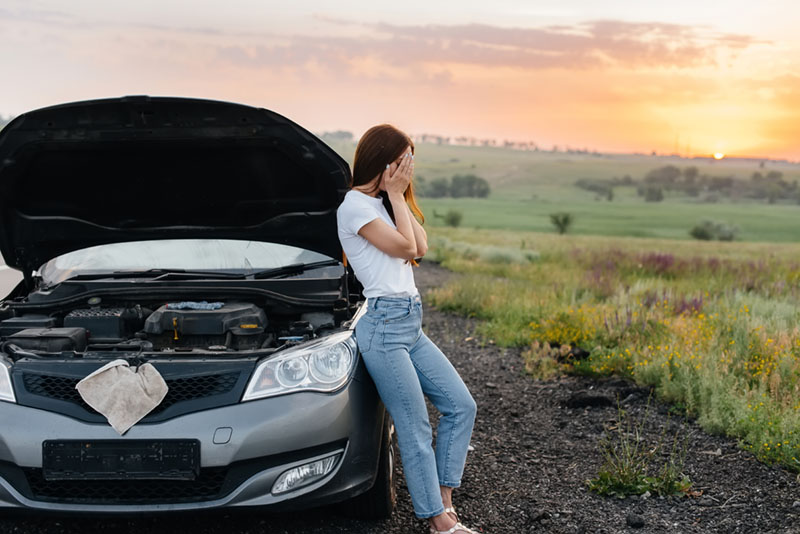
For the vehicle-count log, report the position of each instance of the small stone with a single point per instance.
(634, 520)
(705, 501)
(491, 385)
(644, 496)
(538, 515)
(796, 504)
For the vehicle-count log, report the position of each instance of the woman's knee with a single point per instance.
(470, 408)
(465, 407)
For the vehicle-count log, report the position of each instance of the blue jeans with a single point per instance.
(405, 364)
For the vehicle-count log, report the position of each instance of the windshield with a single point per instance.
(213, 255)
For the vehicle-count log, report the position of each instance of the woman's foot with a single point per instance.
(444, 524)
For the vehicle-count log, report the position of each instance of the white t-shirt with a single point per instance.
(380, 274)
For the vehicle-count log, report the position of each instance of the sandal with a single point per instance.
(457, 528)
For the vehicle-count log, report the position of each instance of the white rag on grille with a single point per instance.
(121, 394)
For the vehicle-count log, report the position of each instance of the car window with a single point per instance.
(226, 255)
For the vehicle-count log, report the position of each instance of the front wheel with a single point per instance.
(379, 501)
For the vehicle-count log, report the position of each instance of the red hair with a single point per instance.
(378, 147)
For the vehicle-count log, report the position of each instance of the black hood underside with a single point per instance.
(141, 168)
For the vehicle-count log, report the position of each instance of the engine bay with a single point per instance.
(166, 327)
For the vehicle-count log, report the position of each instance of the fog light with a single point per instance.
(305, 474)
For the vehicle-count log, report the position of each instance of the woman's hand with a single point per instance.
(395, 182)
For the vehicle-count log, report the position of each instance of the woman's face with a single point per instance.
(393, 165)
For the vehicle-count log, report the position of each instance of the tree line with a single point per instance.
(459, 186)
(770, 186)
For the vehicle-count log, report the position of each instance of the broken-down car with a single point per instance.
(198, 237)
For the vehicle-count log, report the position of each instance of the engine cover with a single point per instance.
(238, 318)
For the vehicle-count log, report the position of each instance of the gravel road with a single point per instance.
(532, 455)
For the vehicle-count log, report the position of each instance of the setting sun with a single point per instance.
(718, 155)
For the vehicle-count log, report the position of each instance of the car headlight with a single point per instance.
(6, 389)
(321, 365)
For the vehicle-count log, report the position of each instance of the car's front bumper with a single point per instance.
(267, 437)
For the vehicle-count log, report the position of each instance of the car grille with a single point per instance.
(180, 389)
(207, 486)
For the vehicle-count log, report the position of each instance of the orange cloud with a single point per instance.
(596, 44)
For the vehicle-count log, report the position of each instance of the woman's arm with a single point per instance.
(420, 236)
(402, 242)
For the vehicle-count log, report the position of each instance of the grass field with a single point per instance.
(528, 186)
(624, 217)
(713, 326)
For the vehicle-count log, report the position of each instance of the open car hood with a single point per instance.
(141, 168)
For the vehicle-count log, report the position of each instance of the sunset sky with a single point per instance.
(621, 76)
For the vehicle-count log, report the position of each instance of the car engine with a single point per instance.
(168, 327)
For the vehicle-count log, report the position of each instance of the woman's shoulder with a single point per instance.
(357, 200)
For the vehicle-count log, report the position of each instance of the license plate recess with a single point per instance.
(168, 459)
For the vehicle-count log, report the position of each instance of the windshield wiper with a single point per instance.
(295, 268)
(155, 274)
(163, 274)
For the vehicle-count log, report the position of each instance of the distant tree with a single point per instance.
(665, 176)
(562, 221)
(719, 183)
(653, 194)
(599, 186)
(468, 185)
(482, 188)
(438, 188)
(773, 193)
(338, 135)
(690, 174)
(420, 186)
(610, 195)
(692, 190)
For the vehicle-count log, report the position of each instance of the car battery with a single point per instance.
(16, 324)
(50, 339)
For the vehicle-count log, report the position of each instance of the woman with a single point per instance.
(381, 238)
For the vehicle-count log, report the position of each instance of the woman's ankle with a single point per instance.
(447, 496)
(442, 521)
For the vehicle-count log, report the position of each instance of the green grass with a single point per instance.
(528, 186)
(712, 326)
(672, 218)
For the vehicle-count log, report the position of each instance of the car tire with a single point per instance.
(379, 501)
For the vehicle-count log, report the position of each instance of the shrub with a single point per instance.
(453, 218)
(562, 221)
(709, 230)
(703, 232)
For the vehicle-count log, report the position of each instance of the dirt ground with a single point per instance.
(532, 455)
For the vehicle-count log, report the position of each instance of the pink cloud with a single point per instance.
(587, 45)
